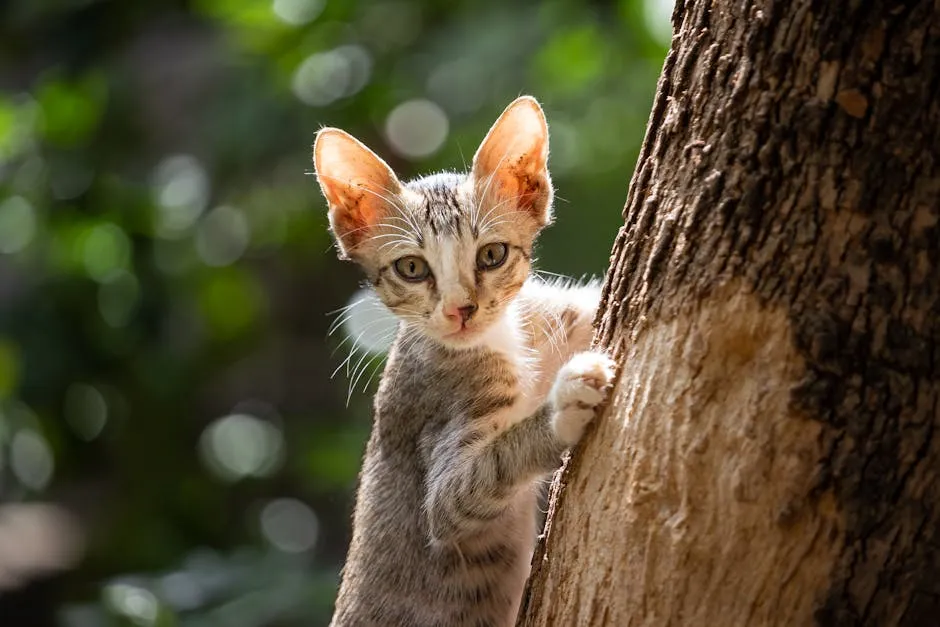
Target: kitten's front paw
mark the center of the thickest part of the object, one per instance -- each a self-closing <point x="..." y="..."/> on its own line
<point x="581" y="385"/>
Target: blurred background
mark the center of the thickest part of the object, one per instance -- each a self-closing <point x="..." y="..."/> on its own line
<point x="174" y="449"/>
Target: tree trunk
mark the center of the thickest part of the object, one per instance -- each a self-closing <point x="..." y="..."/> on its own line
<point x="769" y="455"/>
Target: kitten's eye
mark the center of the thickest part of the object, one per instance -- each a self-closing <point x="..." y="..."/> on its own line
<point x="412" y="268"/>
<point x="491" y="256"/>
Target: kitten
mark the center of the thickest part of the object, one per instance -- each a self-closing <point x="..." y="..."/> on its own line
<point x="484" y="388"/>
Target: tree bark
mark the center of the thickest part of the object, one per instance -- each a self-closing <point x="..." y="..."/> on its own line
<point x="770" y="452"/>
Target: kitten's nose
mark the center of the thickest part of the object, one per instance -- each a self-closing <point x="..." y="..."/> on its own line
<point x="464" y="313"/>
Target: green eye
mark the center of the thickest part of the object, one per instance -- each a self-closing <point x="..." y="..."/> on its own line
<point x="491" y="256"/>
<point x="412" y="268"/>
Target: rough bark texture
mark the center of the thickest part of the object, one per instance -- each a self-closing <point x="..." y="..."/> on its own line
<point x="769" y="455"/>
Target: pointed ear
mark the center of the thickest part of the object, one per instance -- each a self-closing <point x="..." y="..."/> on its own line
<point x="511" y="165"/>
<point x="359" y="187"/>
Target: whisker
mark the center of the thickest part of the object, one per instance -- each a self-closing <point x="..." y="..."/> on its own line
<point x="398" y="242"/>
<point x="554" y="274"/>
<point x="340" y="321"/>
<point x="355" y="343"/>
<point x="346" y="315"/>
<point x="367" y="190"/>
<point x="400" y="230"/>
<point x="380" y="236"/>
<point x="352" y="377"/>
<point x="352" y="385"/>
<point x="347" y="307"/>
<point x="408" y="219"/>
<point x="378" y="366"/>
<point x="404" y="214"/>
<point x="504" y="216"/>
<point x="497" y="206"/>
<point x="407" y="337"/>
<point x="462" y="157"/>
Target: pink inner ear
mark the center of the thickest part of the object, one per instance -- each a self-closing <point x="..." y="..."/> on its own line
<point x="514" y="153"/>
<point x="525" y="183"/>
<point x="530" y="189"/>
<point x="354" y="180"/>
<point x="510" y="156"/>
<point x="518" y="139"/>
<point x="352" y="199"/>
<point x="352" y="210"/>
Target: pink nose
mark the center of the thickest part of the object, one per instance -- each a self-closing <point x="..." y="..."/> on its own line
<point x="463" y="313"/>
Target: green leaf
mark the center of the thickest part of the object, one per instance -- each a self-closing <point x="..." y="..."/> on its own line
<point x="231" y="302"/>
<point x="17" y="125"/>
<point x="572" y="59"/>
<point x="71" y="110"/>
<point x="9" y="368"/>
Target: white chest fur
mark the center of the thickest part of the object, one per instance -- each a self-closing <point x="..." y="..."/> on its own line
<point x="510" y="339"/>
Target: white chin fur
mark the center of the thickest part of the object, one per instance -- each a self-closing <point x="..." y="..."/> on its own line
<point x="498" y="335"/>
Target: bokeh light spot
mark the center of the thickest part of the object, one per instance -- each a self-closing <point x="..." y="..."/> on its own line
<point x="572" y="59"/>
<point x="86" y="410"/>
<point x="223" y="236"/>
<point x="71" y="108"/>
<point x="181" y="191"/>
<point x="457" y="84"/>
<point x="657" y="15"/>
<point x="69" y="179"/>
<point x="17" y="125"/>
<point x="416" y="128"/>
<point x="289" y="525"/>
<point x="322" y="78"/>
<point x="240" y="445"/>
<point x="136" y="603"/>
<point x="17" y="224"/>
<point x="567" y="147"/>
<point x="36" y="539"/>
<point x="388" y="25"/>
<point x="297" y="12"/>
<point x="231" y="302"/>
<point x="118" y="297"/>
<point x="105" y="248"/>
<point x="31" y="460"/>
<point x="30" y="173"/>
<point x="360" y="67"/>
<point x="182" y="590"/>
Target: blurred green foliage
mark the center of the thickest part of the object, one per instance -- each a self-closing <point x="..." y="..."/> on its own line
<point x="166" y="273"/>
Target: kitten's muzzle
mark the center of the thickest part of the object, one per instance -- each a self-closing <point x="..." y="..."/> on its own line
<point x="462" y="313"/>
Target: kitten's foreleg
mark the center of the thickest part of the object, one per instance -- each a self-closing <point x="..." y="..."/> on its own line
<point x="471" y="481"/>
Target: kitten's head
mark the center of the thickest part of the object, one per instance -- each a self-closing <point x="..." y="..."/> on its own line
<point x="446" y="253"/>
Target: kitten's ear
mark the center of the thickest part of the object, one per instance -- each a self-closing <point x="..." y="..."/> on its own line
<point x="359" y="187"/>
<point x="511" y="165"/>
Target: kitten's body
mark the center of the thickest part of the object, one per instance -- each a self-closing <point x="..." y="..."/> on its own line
<point x="428" y="394"/>
<point x="484" y="389"/>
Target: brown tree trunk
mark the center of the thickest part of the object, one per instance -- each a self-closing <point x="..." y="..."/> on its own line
<point x="770" y="454"/>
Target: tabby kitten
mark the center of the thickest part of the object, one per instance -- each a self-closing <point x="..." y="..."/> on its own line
<point x="484" y="388"/>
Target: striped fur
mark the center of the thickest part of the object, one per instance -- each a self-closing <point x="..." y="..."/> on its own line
<point x="471" y="415"/>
